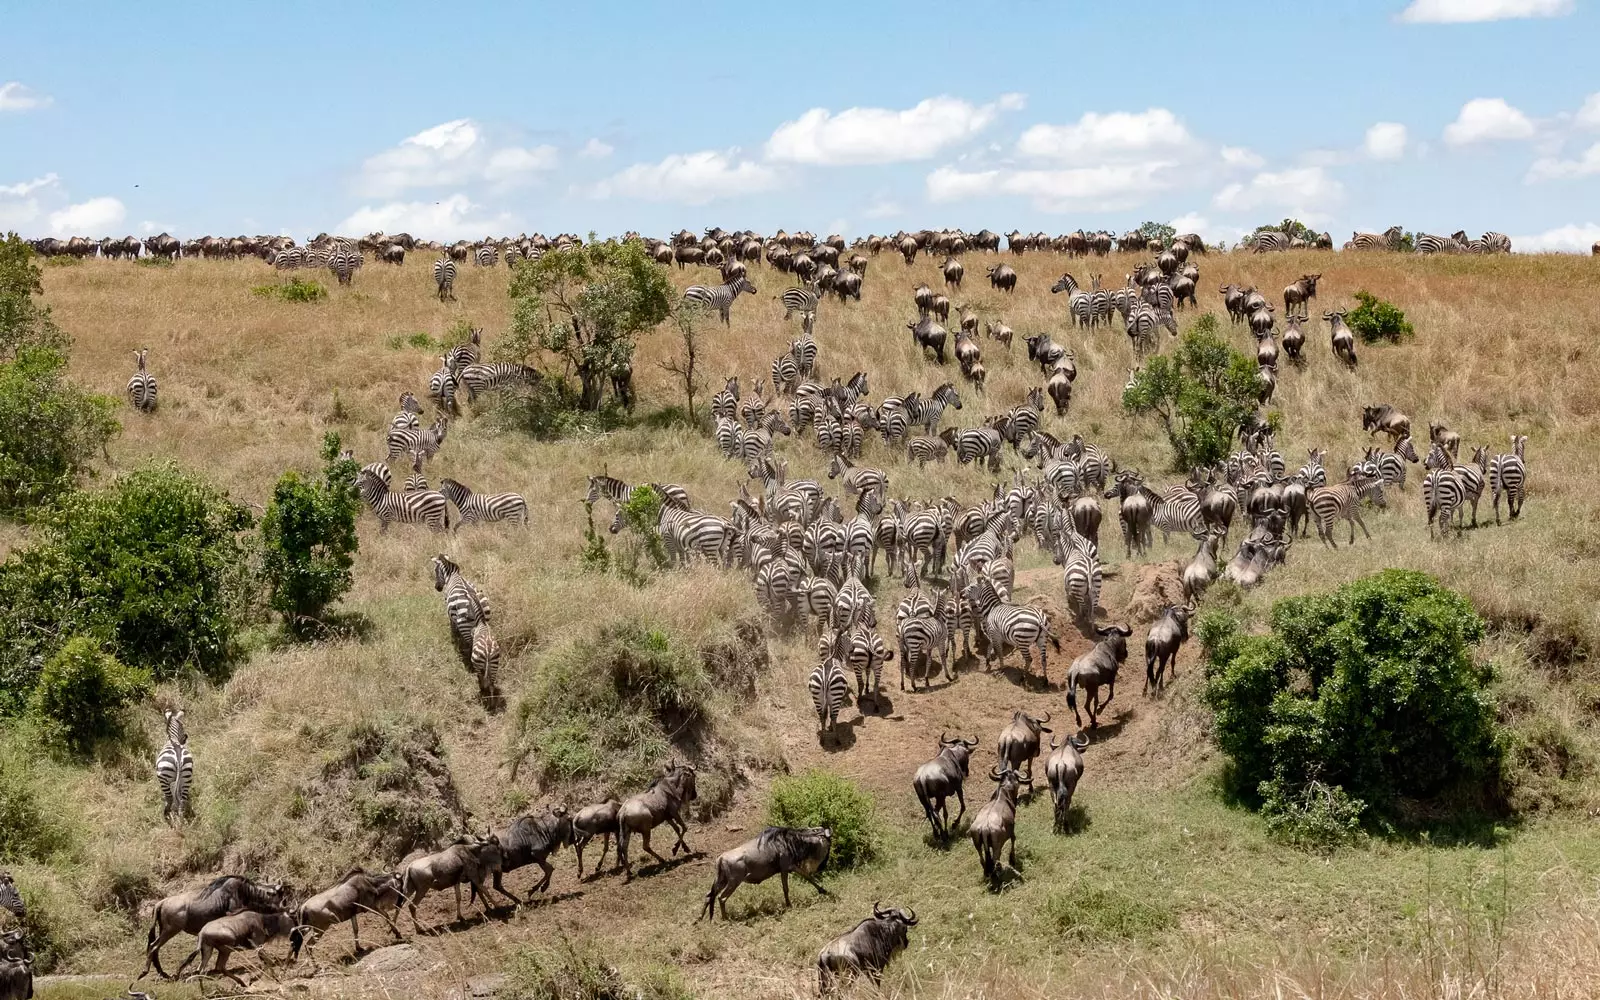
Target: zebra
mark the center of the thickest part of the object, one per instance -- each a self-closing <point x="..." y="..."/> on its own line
<point x="483" y="377"/>
<point x="416" y="482"/>
<point x="142" y="387"/>
<point x="487" y="255"/>
<point x="1427" y="243"/>
<point x="800" y="300"/>
<point x="1470" y="477"/>
<point x="1093" y="462"/>
<point x="829" y="692"/>
<point x="1441" y="495"/>
<point x="1081" y="578"/>
<point x="1010" y="626"/>
<point x="1178" y="510"/>
<point x="866" y="653"/>
<point x="10" y="899"/>
<point x="854" y="606"/>
<point x="1389" y="239"/>
<point x="1270" y="241"/>
<point x="974" y="443"/>
<point x="442" y="387"/>
<point x="465" y="607"/>
<point x="289" y="259"/>
<point x="344" y="262"/>
<point x="922" y="638"/>
<point x="1025" y="416"/>
<point x="403" y="440"/>
<point x="726" y="401"/>
<point x="485" y="507"/>
<point x="858" y="479"/>
<point x="484" y="661"/>
<point x="1496" y="242"/>
<point x="804" y="352"/>
<point x="444" y="276"/>
<point x="428" y="508"/>
<point x="1341" y="500"/>
<point x="175" y="769"/>
<point x="462" y="355"/>
<point x="1508" y="474"/>
<point x="1079" y="302"/>
<point x="929" y="411"/>
<point x="719" y="297"/>
<point x="687" y="532"/>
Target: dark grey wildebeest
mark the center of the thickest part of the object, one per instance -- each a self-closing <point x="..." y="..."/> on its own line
<point x="1063" y="768"/>
<point x="472" y="859"/>
<point x="944" y="776"/>
<point x="235" y="932"/>
<point x="995" y="826"/>
<point x="662" y="802"/>
<point x="1161" y="645"/>
<point x="598" y="820"/>
<point x="16" y="979"/>
<point x="778" y="850"/>
<point x="188" y="912"/>
<point x="356" y="893"/>
<point x="530" y="840"/>
<point x="1019" y="740"/>
<point x="1096" y="668"/>
<point x="865" y="949"/>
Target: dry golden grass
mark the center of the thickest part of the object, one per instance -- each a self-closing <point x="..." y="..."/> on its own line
<point x="249" y="386"/>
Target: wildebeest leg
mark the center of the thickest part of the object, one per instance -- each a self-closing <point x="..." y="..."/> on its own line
<point x="962" y="799"/>
<point x="680" y="828"/>
<point x="1012" y="864"/>
<point x="355" y="932"/>
<point x="784" y="878"/>
<point x="153" y="950"/>
<point x="578" y="846"/>
<point x="412" y="904"/>
<point x="645" y="840"/>
<point x="459" y="916"/>
<point x="815" y="884"/>
<point x="544" y="883"/>
<point x="222" y="966"/>
<point x="479" y="889"/>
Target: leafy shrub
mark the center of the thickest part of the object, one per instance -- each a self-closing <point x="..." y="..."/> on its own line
<point x="82" y="695"/>
<point x="309" y="538"/>
<point x="30" y="827"/>
<point x="571" y="970"/>
<point x="1374" y="320"/>
<point x="1092" y="914"/>
<point x="24" y="322"/>
<point x="50" y="430"/>
<point x="1316" y="816"/>
<point x="642" y="549"/>
<point x="293" y="290"/>
<point x="421" y="341"/>
<point x="818" y="798"/>
<point x="1371" y="688"/>
<point x="1203" y="394"/>
<point x="158" y="262"/>
<point x="1158" y="231"/>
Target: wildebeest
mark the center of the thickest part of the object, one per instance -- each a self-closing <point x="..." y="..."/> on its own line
<point x="1059" y="386"/>
<point x="16" y="979"/>
<point x="1044" y="350"/>
<point x="953" y="270"/>
<point x="530" y="840"/>
<point x="1300" y="293"/>
<point x="1095" y="668"/>
<point x="1019" y="740"/>
<point x="1445" y="438"/>
<point x="1233" y="299"/>
<point x="226" y="935"/>
<point x="778" y="850"/>
<point x="1387" y="419"/>
<point x="1202" y="569"/>
<point x="472" y="859"/>
<point x="995" y="825"/>
<point x="187" y="912"/>
<point x="1063" y="768"/>
<point x="928" y="335"/>
<point x="662" y="802"/>
<point x="1003" y="277"/>
<point x="1344" y="342"/>
<point x="942" y="777"/>
<point x="1294" y="339"/>
<point x="1167" y="635"/>
<point x="598" y="820"/>
<point x="357" y="893"/>
<point x="866" y="948"/>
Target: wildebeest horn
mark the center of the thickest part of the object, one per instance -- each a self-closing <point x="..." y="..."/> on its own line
<point x="972" y="742"/>
<point x="1046" y="717"/>
<point x="1052" y="742"/>
<point x="876" y="912"/>
<point x="909" y="916"/>
<point x="994" y="773"/>
<point x="942" y="740"/>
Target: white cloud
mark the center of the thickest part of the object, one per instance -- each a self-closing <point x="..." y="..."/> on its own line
<point x="1464" y="11"/>
<point x="1564" y="239"/>
<point x="24" y="188"/>
<point x="884" y="209"/>
<point x="1588" y="116"/>
<point x="88" y="218"/>
<point x="516" y="161"/>
<point x="148" y="228"/>
<point x="450" y="154"/>
<point x="1385" y="141"/>
<point x="1097" y="138"/>
<point x="1109" y="187"/>
<point x="453" y="217"/>
<point x="690" y="178"/>
<point x="1305" y="192"/>
<point x="16" y="97"/>
<point x="1550" y="168"/>
<point x="596" y="149"/>
<point x="857" y="136"/>
<point x="1245" y="159"/>
<point x="1487" y="119"/>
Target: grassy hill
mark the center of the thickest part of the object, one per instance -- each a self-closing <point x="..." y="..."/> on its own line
<point x="316" y="757"/>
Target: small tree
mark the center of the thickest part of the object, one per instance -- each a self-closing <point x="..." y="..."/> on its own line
<point x="309" y="538"/>
<point x="819" y="798"/>
<point x="1203" y="394"/>
<point x="82" y="694"/>
<point x="23" y="321"/>
<point x="1374" y="320"/>
<point x="1158" y="231"/>
<point x="585" y="305"/>
<point x="686" y="368"/>
<point x="643" y="550"/>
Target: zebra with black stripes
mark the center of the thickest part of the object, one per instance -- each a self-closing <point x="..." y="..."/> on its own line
<point x="1177" y="510"/>
<point x="719" y="297"/>
<point x="1026" y="416"/>
<point x="725" y="403"/>
<point x="801" y="300"/>
<point x="688" y="533"/>
<point x="804" y="352"/>
<point x="423" y="507"/>
<point x="929" y="410"/>
<point x="923" y="640"/>
<point x="1079" y="302"/>
<point x="480" y="378"/>
<point x="1470" y="476"/>
<point x="1022" y="627"/>
<point x="444" y="276"/>
<point x="1389" y="239"/>
<point x="866" y="653"/>
<point x="829" y="693"/>
<point x="1081" y="577"/>
<point x="142" y="387"/>
<point x="484" y="507"/>
<point x="10" y="899"/>
<point x="1427" y="243"/>
<point x="1441" y="495"/>
<point x="416" y="481"/>
<point x="175" y="769"/>
<point x="923" y="450"/>
<point x="469" y="353"/>
<point x="487" y="255"/>
<point x="465" y="607"/>
<point x="1270" y="241"/>
<point x="1508" y="474"/>
<point x="974" y="444"/>
<point x="1497" y="242"/>
<point x="427" y="440"/>
<point x="1340" y="501"/>
<point x="344" y="262"/>
<point x="1094" y="464"/>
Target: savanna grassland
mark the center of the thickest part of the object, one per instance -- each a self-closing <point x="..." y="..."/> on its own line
<point x="316" y="757"/>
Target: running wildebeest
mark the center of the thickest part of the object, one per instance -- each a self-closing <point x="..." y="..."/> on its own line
<point x="1019" y="740"/>
<point x="471" y="860"/>
<point x="598" y="820"/>
<point x="1166" y="637"/>
<point x="187" y="912"/>
<point x="778" y="850"/>
<point x="662" y="802"/>
<point x="235" y="932"/>
<point x="357" y="893"/>
<point x="1095" y="668"/>
<point x="942" y="777"/>
<point x="530" y="840"/>
<point x="995" y="826"/>
<point x="1063" y="768"/>
<point x="866" y="948"/>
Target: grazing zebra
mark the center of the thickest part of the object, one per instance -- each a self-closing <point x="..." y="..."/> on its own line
<point x="403" y="440"/>
<point x="1341" y="500"/>
<point x="798" y="300"/>
<point x="1009" y="626"/>
<point x="465" y="607"/>
<point x="485" y="507"/>
<point x="1271" y="241"/>
<point x="10" y="899"/>
<point x="923" y="450"/>
<point x="829" y="692"/>
<point x="1389" y="239"/>
<point x="719" y="297"/>
<point x="1427" y="243"/>
<point x="928" y="412"/>
<point x="175" y="769"/>
<point x="484" y="377"/>
<point x="1497" y="242"/>
<point x="1508" y="474"/>
<point x="428" y="508"/>
<point x="344" y="262"/>
<point x="444" y="276"/>
<point x="142" y="387"/>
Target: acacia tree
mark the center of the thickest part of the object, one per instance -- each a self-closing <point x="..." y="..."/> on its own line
<point x="1157" y="231"/>
<point x="586" y="305"/>
<point x="1203" y="394"/>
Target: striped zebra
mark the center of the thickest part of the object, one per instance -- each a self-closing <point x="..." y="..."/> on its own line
<point x="480" y="378"/>
<point x="974" y="444"/>
<point x="1441" y="495"/>
<point x="428" y="508"/>
<point x="928" y="412"/>
<point x="444" y="276"/>
<point x="1427" y="243"/>
<point x="1094" y="465"/>
<point x="1389" y="467"/>
<point x="829" y="692"/>
<point x="485" y="507"/>
<point x="1270" y="241"/>
<point x="923" y="450"/>
<point x="725" y="403"/>
<point x="800" y="300"/>
<point x="777" y="582"/>
<point x="142" y="387"/>
<point x="175" y="769"/>
<point x="1009" y="626"/>
<point x="1081" y="577"/>
<point x="1339" y="501"/>
<point x="344" y="262"/>
<point x="10" y="899"/>
<point x="1497" y="242"/>
<point x="866" y="653"/>
<point x="484" y="661"/>
<point x="1470" y="477"/>
<point x="857" y="479"/>
<point x="462" y="355"/>
<point x="689" y="532"/>
<point x="289" y="259"/>
<point x="1024" y="418"/>
<point x="416" y="482"/>
<point x="854" y="606"/>
<point x="442" y="388"/>
<point x="1389" y="239"/>
<point x="487" y="255"/>
<point x="719" y="297"/>
<point x="1177" y="510"/>
<point x="923" y="640"/>
<point x="1508" y="474"/>
<point x="427" y="440"/>
<point x="465" y="607"/>
<point x="1079" y="302"/>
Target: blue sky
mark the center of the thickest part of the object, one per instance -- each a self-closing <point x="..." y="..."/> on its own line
<point x="471" y="119"/>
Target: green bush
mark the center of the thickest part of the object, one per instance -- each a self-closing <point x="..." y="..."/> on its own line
<point x="1314" y="817"/>
<point x="50" y="430"/>
<point x="24" y="322"/>
<point x="421" y="341"/>
<point x="1374" y="320"/>
<point x="818" y="798"/>
<point x="1203" y="394"/>
<point x="293" y="290"/>
<point x="308" y="537"/>
<point x="83" y="693"/>
<point x="642" y="549"/>
<point x="1371" y="689"/>
<point x="30" y="827"/>
<point x="569" y="970"/>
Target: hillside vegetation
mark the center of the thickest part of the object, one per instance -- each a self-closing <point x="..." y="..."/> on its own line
<point x="317" y="756"/>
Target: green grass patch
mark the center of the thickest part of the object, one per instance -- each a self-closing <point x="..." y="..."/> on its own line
<point x="1100" y="914"/>
<point x="293" y="290"/>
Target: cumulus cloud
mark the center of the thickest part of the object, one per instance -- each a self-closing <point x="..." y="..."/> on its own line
<point x="1551" y="168"/>
<point x="1098" y="138"/>
<point x="690" y="178"/>
<point x="450" y="154"/>
<point x="883" y="209"/>
<point x="16" y="97"/>
<point x="148" y="228"/>
<point x="1305" y="192"/>
<point x="1244" y="159"/>
<point x="1487" y="119"/>
<point x="1469" y="11"/>
<point x="1106" y="187"/>
<point x="1385" y="141"/>
<point x="596" y="149"/>
<point x="88" y="218"/>
<point x="1564" y="239"/>
<point x="453" y="217"/>
<point x="1588" y="116"/>
<point x="857" y="136"/>
<point x="24" y="188"/>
